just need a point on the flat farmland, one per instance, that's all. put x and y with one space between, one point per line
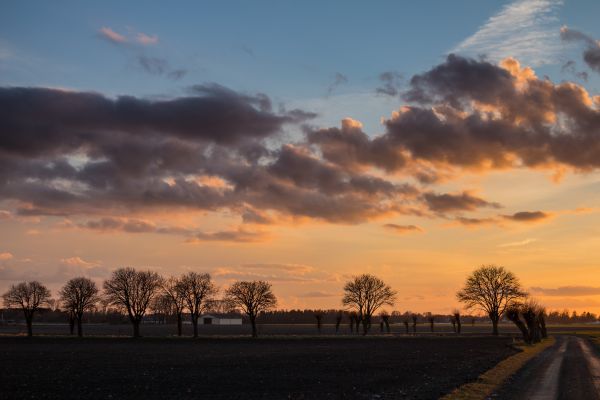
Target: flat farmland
242 368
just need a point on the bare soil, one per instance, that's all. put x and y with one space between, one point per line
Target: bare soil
242 368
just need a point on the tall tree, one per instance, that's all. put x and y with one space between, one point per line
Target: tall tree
132 291
173 290
491 289
197 291
366 294
77 296
29 296
252 297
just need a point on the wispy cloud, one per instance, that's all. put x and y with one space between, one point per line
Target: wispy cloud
519 243
567 291
141 38
525 29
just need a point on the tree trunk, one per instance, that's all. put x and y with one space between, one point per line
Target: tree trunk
495 325
136 328
29 321
366 325
179 324
79 327
195 323
253 322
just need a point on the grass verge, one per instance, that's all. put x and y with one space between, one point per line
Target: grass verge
492 379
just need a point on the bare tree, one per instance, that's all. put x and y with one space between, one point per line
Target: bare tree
366 294
385 320
338 321
319 318
492 289
456 314
78 296
405 322
132 291
29 296
173 290
533 329
431 321
453 322
198 290
414 323
252 297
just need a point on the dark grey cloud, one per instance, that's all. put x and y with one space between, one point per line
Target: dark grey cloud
160 66
446 202
473 114
390 83
338 79
527 216
571 68
402 228
567 291
591 55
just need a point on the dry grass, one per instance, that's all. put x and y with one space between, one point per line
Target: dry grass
492 379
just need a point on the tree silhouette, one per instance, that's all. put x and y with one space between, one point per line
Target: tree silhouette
431 321
414 323
132 291
252 297
174 291
29 296
366 294
385 319
492 289
338 321
456 314
319 318
77 296
197 290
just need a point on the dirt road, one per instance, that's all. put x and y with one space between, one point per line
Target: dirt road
568 370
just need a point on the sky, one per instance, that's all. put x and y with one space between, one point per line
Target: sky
304 143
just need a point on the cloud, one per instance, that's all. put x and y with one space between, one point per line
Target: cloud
472 222
591 54
112 36
524 29
297 273
132 225
402 228
239 236
390 83
5 256
527 216
520 243
140 38
339 79
160 66
570 67
456 202
317 294
567 291
145 39
79 262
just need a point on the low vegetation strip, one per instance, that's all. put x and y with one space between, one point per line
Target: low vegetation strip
493 378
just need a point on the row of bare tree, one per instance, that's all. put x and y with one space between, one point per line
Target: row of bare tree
135 292
490 288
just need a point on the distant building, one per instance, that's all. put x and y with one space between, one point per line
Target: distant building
220 319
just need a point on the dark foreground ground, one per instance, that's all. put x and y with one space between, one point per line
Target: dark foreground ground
242 368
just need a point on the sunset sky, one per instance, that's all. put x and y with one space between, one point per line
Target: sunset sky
303 143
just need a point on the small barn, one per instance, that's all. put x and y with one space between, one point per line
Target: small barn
220 319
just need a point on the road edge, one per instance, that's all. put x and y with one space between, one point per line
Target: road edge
493 378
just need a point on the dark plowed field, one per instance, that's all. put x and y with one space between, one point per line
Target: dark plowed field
241 368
